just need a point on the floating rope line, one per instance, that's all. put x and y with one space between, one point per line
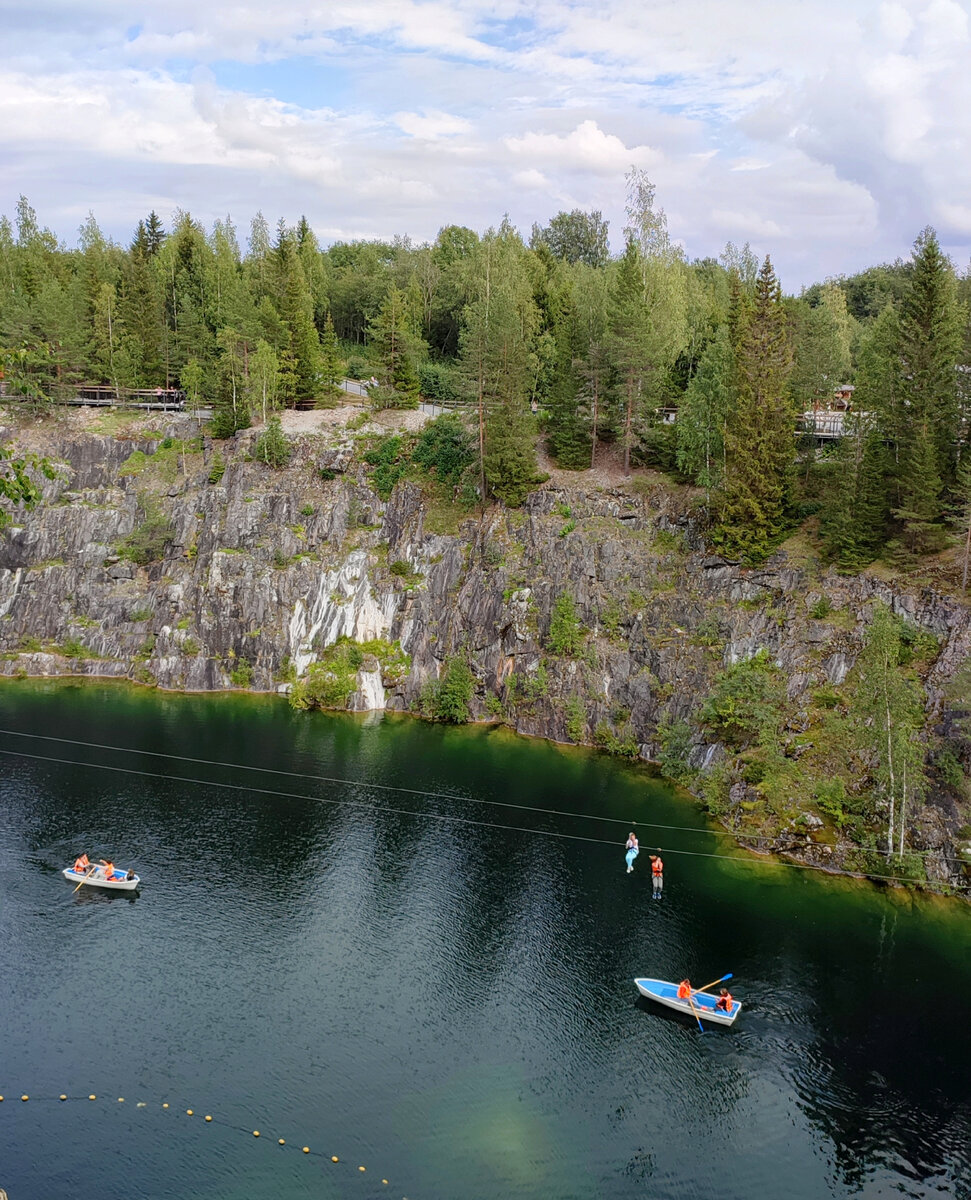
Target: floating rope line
467 821
207 1119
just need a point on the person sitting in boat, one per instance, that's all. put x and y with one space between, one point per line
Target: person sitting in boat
684 989
109 869
633 850
131 874
81 863
724 1001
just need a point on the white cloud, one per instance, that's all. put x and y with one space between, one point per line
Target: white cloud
827 132
586 148
431 125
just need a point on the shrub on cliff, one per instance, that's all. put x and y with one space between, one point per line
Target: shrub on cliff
272 446
147 541
566 636
449 697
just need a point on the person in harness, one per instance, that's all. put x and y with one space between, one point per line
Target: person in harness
657 875
632 851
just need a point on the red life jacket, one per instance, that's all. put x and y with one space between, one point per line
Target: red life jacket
684 991
725 1002
657 867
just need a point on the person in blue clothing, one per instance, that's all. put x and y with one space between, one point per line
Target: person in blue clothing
632 851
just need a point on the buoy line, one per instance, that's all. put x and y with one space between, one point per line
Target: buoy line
389 787
207 1119
468 821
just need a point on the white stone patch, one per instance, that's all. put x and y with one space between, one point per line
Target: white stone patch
343 606
9 586
370 692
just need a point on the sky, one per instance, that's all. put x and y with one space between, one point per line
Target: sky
827 133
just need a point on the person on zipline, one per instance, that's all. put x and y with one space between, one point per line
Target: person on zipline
657 875
633 849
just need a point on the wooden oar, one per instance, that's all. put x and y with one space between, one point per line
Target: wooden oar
713 982
694 1010
91 871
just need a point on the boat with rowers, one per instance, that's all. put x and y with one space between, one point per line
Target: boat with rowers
704 1003
102 875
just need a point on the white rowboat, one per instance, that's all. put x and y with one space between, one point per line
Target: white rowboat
118 881
704 1002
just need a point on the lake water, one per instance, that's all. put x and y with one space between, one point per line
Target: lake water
447 1004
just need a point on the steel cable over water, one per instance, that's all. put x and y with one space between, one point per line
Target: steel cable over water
380 808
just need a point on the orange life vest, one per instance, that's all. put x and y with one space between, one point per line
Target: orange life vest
657 867
725 1002
684 991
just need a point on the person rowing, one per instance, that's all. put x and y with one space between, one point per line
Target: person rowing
684 989
632 851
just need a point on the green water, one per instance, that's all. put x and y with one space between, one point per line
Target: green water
387 977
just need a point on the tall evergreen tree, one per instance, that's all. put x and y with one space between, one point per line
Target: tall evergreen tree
331 362
391 333
703 412
759 441
930 345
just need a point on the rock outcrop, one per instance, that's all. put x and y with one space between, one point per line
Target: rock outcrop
261 570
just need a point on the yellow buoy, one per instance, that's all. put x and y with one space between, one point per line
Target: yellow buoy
334 1158
1 1099
92 1096
62 1097
362 1168
25 1097
165 1106
208 1118
256 1133
121 1099
188 1112
282 1142
384 1181
306 1149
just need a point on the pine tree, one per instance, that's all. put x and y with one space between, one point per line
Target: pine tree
391 334
703 412
927 425
230 409
331 363
759 441
498 326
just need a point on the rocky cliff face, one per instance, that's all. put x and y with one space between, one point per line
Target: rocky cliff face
263 569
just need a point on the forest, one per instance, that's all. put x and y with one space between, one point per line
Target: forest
699 368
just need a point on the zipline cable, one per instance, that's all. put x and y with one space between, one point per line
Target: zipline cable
388 787
358 783
468 821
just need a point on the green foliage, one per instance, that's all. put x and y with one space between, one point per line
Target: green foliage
440 383
759 443
400 567
218 468
445 447
566 636
141 614
242 673
386 456
272 446
449 698
674 740
147 542
332 680
576 719
821 608
622 742
745 701
72 647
